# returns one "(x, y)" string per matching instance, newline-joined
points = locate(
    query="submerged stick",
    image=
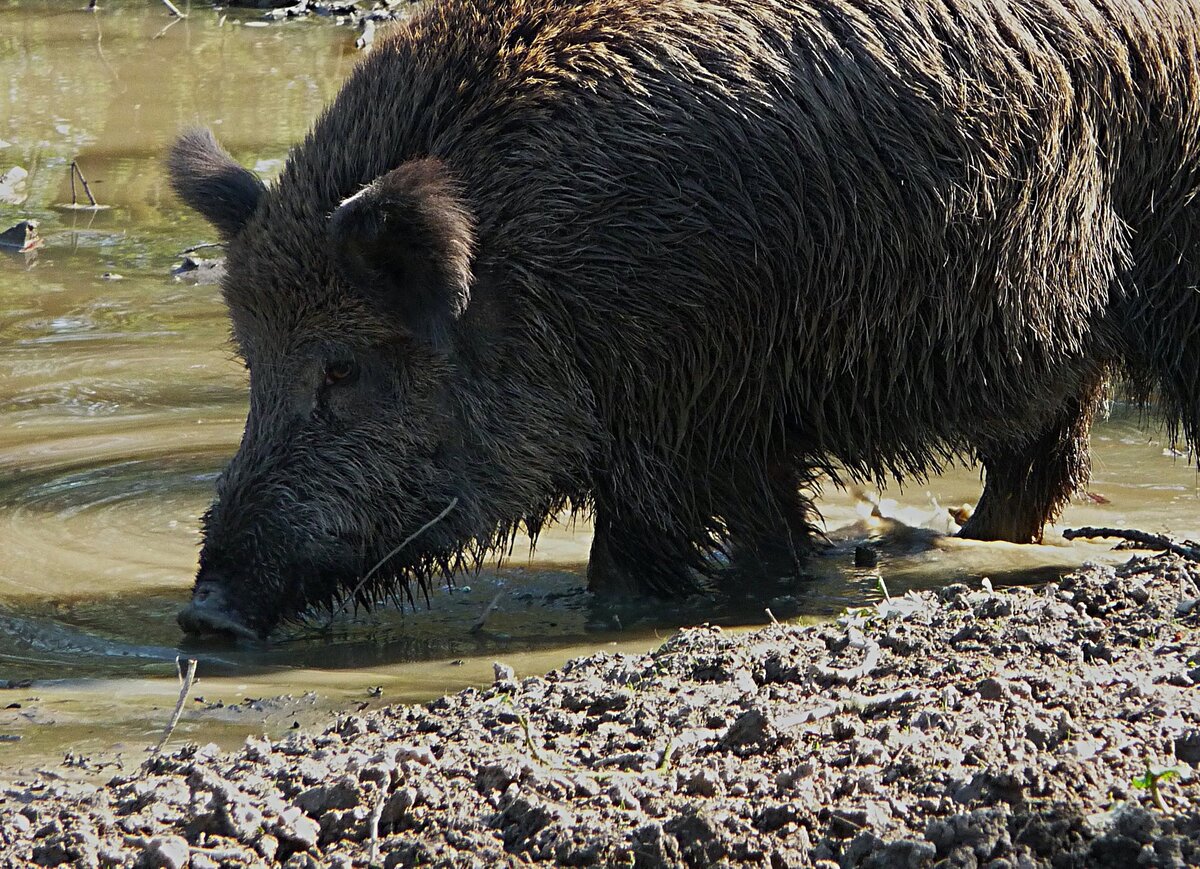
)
(184, 689)
(75, 170)
(1150, 541)
(483, 616)
(407, 540)
(201, 246)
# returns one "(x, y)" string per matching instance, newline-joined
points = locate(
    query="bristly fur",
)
(717, 247)
(205, 177)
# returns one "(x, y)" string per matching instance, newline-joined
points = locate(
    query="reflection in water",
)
(119, 403)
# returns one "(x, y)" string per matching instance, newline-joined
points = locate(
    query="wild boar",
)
(667, 260)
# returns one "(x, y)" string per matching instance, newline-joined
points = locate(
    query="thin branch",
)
(483, 616)
(1149, 541)
(184, 689)
(75, 170)
(407, 540)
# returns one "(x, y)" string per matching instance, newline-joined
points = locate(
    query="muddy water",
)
(119, 403)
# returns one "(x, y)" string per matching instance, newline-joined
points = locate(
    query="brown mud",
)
(1050, 727)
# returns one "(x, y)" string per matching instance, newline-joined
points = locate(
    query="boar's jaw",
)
(209, 612)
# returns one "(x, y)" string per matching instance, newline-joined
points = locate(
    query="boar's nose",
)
(210, 613)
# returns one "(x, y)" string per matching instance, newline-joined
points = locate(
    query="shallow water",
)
(119, 403)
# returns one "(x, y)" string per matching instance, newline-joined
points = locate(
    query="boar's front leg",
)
(1028, 484)
(630, 558)
(772, 524)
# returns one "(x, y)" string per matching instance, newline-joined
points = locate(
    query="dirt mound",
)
(1057, 727)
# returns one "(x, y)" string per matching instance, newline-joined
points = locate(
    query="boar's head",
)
(390, 384)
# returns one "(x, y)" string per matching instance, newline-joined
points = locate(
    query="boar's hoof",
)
(209, 613)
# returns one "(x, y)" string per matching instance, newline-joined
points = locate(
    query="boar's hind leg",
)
(1028, 484)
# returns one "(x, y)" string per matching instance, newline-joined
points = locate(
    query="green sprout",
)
(1150, 781)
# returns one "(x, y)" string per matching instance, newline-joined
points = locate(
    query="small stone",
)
(164, 852)
(702, 783)
(421, 754)
(257, 748)
(866, 556)
(993, 689)
(246, 821)
(342, 794)
(503, 672)
(844, 727)
(296, 828)
(1187, 747)
(267, 846)
(751, 727)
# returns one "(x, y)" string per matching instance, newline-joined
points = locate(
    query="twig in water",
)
(1150, 541)
(483, 616)
(200, 246)
(170, 24)
(407, 540)
(174, 11)
(185, 688)
(75, 170)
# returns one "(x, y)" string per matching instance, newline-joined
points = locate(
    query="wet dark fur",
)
(713, 248)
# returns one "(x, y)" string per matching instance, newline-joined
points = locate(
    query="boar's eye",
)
(338, 371)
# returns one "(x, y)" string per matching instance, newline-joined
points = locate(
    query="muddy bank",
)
(964, 728)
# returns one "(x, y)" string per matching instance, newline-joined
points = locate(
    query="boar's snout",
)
(211, 613)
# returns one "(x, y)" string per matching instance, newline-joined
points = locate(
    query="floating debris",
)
(197, 270)
(356, 13)
(21, 238)
(12, 186)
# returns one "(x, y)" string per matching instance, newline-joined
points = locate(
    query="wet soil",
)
(1050, 727)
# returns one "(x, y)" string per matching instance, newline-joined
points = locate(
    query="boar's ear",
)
(405, 242)
(210, 181)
